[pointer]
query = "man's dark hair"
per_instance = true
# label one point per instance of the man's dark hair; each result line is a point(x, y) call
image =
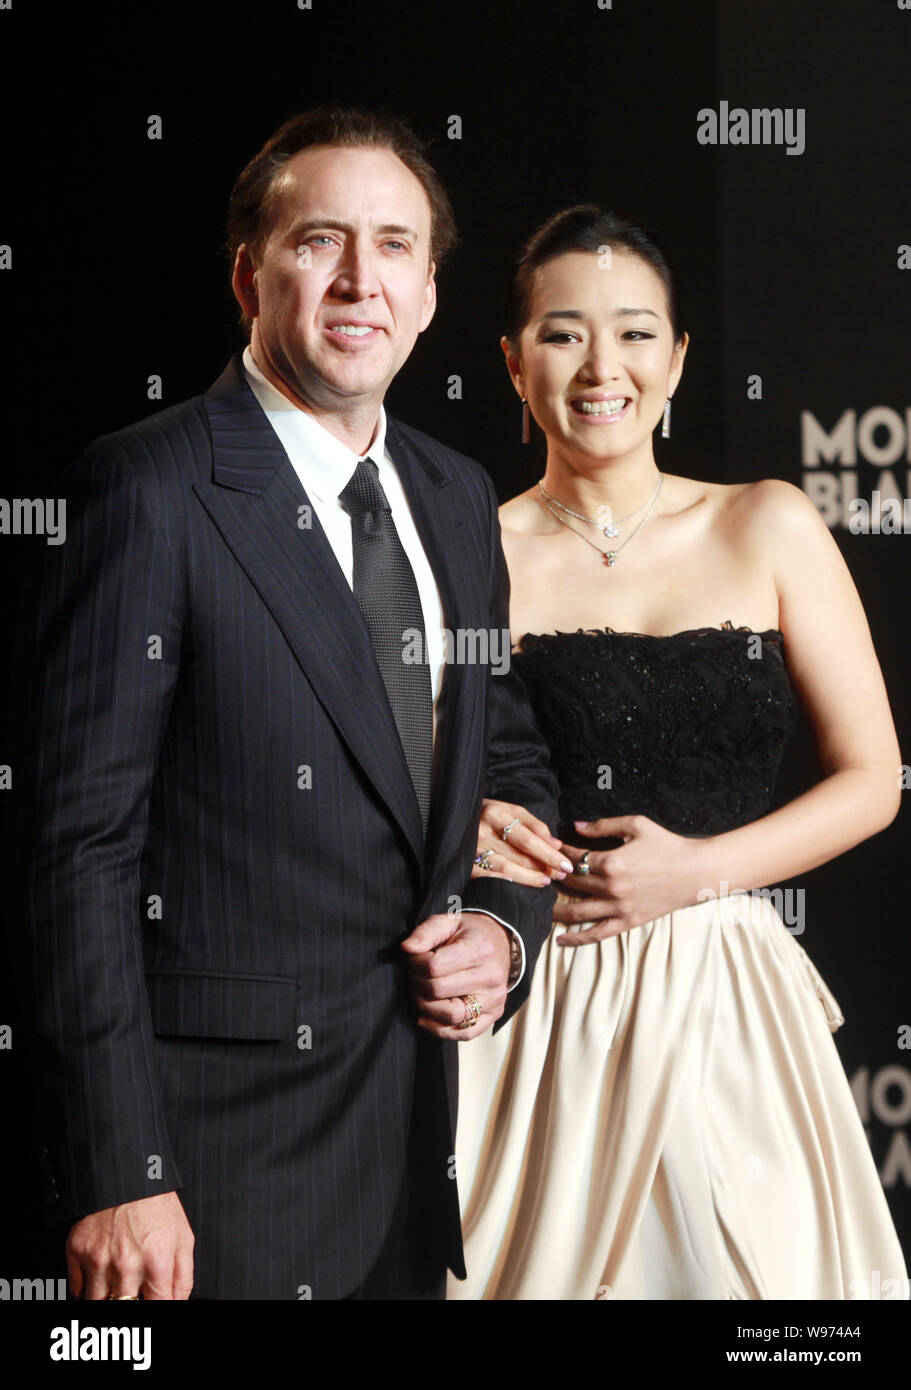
point(351, 127)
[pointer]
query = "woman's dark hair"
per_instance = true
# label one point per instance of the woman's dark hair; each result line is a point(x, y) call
point(349, 127)
point(585, 227)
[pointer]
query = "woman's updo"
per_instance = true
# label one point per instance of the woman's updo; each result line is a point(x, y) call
point(586, 227)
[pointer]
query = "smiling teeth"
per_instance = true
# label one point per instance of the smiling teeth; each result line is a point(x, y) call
point(354, 330)
point(601, 407)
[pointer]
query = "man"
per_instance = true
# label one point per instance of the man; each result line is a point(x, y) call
point(244, 822)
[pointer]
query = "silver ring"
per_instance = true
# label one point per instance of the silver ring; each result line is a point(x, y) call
point(511, 826)
point(583, 867)
point(483, 860)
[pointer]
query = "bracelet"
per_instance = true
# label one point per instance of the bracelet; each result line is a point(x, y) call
point(515, 959)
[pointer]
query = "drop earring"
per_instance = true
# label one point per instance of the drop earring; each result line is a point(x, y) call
point(526, 422)
point(666, 422)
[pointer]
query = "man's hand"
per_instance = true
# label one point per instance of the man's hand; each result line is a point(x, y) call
point(454, 954)
point(140, 1247)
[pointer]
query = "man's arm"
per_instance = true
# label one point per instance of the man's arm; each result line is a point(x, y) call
point(518, 771)
point(94, 668)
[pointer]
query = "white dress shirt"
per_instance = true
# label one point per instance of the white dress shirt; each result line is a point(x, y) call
point(325, 466)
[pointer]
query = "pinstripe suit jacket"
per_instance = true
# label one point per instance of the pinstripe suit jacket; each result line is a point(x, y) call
point(214, 847)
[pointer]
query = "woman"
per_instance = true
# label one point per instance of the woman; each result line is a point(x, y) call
point(667, 1116)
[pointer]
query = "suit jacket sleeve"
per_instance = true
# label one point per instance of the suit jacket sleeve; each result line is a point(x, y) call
point(96, 661)
point(518, 770)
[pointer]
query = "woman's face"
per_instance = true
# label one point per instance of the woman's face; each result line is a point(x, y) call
point(597, 360)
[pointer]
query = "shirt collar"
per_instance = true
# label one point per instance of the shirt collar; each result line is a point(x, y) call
point(329, 463)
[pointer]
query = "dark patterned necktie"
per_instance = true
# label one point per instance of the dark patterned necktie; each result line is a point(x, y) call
point(387, 592)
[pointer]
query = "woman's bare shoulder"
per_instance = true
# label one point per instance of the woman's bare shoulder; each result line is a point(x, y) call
point(754, 508)
point(521, 515)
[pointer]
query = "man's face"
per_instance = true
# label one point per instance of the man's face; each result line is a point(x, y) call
point(345, 282)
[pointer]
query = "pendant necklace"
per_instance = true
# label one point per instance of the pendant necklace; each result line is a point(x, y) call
point(609, 528)
point(609, 556)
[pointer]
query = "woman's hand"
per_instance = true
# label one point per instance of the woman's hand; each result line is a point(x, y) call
point(653, 872)
point(529, 854)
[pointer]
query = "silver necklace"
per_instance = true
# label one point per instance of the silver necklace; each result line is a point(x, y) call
point(609, 556)
point(609, 528)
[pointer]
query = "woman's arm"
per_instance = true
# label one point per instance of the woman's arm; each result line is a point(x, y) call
point(838, 681)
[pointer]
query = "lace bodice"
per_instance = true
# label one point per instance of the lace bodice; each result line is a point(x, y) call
point(688, 729)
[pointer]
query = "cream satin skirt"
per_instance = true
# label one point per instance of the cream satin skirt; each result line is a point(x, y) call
point(667, 1117)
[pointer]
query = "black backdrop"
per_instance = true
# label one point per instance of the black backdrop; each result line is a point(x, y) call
point(790, 268)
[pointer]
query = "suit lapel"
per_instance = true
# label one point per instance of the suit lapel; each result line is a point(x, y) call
point(439, 517)
point(255, 501)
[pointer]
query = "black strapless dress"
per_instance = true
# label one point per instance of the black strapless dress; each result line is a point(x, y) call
point(688, 729)
point(667, 1116)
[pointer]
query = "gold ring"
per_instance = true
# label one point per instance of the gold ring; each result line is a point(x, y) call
point(121, 1297)
point(472, 1010)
